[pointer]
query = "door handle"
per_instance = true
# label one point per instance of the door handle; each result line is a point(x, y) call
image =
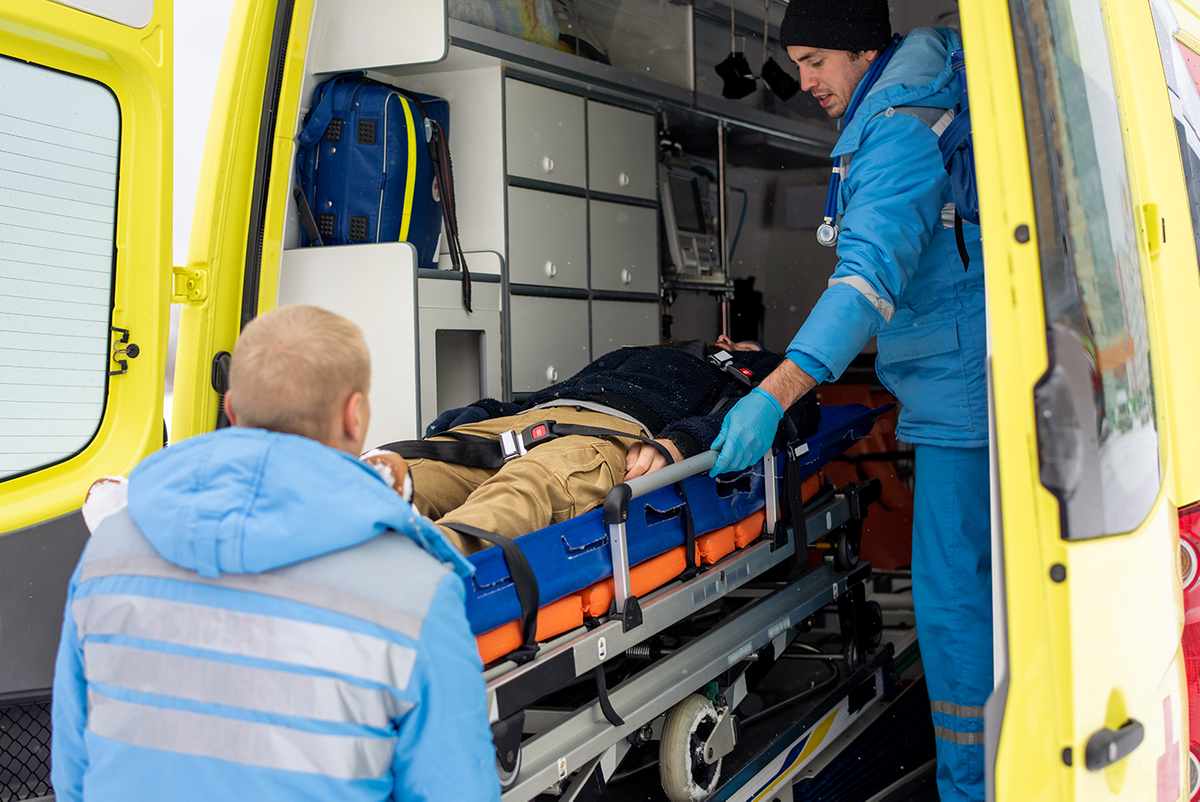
point(1108, 746)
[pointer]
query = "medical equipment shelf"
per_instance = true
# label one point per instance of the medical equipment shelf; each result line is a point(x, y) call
point(586, 735)
point(473, 46)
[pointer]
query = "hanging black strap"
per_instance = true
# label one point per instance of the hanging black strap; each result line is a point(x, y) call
point(307, 221)
point(961, 240)
point(524, 582)
point(606, 707)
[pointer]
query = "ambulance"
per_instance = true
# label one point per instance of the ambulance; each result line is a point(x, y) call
point(1086, 127)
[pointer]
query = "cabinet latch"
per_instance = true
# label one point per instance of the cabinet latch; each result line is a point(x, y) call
point(123, 348)
point(188, 284)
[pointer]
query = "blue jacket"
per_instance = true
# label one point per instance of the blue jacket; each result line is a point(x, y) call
point(899, 274)
point(251, 627)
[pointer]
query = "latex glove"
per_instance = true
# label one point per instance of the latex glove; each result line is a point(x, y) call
point(747, 432)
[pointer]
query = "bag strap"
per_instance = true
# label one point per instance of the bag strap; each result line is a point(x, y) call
point(524, 582)
point(320, 116)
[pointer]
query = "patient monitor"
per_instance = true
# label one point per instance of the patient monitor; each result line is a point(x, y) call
point(688, 202)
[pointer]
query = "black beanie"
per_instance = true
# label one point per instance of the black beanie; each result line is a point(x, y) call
point(836, 24)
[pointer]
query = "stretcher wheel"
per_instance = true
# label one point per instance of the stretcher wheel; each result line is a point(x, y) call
point(845, 551)
point(685, 775)
point(508, 777)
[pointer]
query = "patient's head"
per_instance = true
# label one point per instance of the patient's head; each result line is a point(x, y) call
point(302, 370)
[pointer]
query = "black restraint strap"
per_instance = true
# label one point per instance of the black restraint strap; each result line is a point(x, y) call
point(961, 241)
point(524, 581)
point(471, 450)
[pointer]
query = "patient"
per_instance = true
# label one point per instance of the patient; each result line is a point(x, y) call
point(675, 394)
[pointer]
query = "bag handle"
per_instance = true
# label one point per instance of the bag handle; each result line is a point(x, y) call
point(320, 117)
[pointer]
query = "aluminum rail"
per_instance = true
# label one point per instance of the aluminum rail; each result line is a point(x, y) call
point(554, 754)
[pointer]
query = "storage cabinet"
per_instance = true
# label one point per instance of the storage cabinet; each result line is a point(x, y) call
point(547, 239)
point(545, 134)
point(549, 340)
point(616, 324)
point(619, 160)
point(624, 247)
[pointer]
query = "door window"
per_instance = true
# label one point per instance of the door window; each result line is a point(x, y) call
point(59, 139)
point(1097, 444)
point(1181, 65)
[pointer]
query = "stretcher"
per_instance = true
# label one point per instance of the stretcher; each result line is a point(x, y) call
point(616, 583)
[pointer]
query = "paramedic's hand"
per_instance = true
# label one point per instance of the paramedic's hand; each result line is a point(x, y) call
point(747, 432)
point(644, 458)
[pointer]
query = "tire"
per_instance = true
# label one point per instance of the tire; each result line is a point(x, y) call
point(845, 553)
point(509, 778)
point(685, 776)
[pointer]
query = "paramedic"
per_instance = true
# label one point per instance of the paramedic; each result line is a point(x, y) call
point(677, 393)
point(239, 631)
point(899, 276)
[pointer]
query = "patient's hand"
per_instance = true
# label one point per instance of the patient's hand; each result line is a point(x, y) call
point(644, 458)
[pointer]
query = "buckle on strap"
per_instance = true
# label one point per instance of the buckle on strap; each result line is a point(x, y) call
point(513, 445)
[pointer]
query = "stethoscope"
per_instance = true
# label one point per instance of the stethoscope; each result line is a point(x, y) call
point(827, 232)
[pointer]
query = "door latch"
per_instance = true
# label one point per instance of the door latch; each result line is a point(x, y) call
point(129, 350)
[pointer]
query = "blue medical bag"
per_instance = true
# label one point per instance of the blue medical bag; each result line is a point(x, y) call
point(373, 166)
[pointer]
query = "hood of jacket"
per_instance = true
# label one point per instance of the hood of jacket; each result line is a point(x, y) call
point(919, 74)
point(243, 500)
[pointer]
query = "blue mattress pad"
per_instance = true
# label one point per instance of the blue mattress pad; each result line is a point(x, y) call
point(574, 554)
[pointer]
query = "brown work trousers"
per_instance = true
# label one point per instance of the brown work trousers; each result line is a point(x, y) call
point(555, 481)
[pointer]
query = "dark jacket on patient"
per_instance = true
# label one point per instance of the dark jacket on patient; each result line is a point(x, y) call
point(672, 389)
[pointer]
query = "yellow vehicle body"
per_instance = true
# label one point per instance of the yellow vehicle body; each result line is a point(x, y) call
point(1088, 631)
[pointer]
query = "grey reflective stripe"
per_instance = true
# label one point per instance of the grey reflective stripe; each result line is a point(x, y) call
point(951, 709)
point(862, 285)
point(206, 680)
point(266, 584)
point(936, 119)
point(959, 738)
point(948, 215)
point(250, 634)
point(248, 742)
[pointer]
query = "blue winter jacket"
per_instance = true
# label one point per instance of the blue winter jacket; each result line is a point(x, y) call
point(899, 274)
point(268, 620)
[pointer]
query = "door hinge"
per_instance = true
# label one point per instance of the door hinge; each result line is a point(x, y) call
point(123, 348)
point(189, 285)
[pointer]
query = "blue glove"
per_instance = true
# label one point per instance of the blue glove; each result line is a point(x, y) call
point(747, 432)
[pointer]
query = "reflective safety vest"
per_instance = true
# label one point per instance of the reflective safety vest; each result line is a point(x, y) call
point(307, 674)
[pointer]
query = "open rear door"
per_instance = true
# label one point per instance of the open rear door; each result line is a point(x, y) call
point(85, 238)
point(1090, 693)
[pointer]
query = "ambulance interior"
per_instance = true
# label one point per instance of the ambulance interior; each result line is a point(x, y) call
point(588, 194)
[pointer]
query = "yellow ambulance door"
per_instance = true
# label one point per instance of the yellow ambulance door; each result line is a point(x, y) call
point(1090, 692)
point(85, 239)
point(238, 222)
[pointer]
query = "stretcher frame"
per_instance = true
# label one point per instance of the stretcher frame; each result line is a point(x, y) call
point(587, 743)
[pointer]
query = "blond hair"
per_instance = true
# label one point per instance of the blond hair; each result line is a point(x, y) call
point(294, 367)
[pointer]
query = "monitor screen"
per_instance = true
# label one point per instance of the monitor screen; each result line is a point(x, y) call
point(685, 197)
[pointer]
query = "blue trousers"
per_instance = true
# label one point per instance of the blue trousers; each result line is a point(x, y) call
point(952, 593)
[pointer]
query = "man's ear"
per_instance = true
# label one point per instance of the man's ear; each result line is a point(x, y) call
point(871, 55)
point(227, 405)
point(354, 421)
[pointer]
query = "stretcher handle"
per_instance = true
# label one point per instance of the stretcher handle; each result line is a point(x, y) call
point(671, 474)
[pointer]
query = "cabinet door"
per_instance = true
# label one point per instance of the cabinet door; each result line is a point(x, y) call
point(545, 133)
point(547, 239)
point(621, 147)
point(549, 340)
point(624, 247)
point(616, 324)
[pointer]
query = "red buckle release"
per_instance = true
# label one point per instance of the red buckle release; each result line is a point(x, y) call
point(539, 431)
